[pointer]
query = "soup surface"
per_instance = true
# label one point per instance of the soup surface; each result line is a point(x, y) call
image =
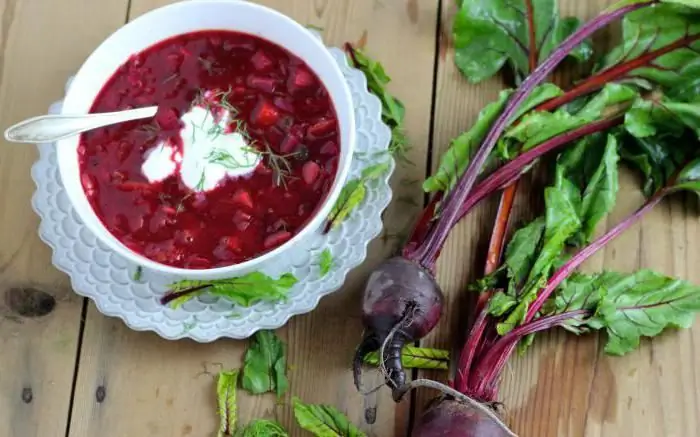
point(243, 150)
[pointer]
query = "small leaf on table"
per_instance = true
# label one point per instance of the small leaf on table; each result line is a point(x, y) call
point(324, 420)
point(226, 400)
point(263, 428)
point(417, 358)
point(265, 365)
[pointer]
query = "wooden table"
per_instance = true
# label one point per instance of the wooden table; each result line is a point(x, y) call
point(76, 373)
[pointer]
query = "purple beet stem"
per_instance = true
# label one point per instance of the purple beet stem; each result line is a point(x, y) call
point(428, 251)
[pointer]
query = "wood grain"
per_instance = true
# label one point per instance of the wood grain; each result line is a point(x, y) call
point(41, 44)
point(566, 386)
point(149, 386)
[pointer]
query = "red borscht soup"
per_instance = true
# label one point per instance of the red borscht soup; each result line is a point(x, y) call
point(252, 118)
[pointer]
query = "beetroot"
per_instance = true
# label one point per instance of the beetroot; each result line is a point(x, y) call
point(447, 417)
point(402, 303)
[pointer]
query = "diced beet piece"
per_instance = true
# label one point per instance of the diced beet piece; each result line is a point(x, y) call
point(322, 128)
point(261, 62)
point(300, 79)
point(233, 243)
point(89, 184)
point(284, 103)
point(266, 84)
point(185, 236)
point(278, 225)
point(241, 220)
point(242, 198)
point(310, 172)
point(329, 148)
point(289, 144)
point(276, 239)
point(169, 210)
point(264, 114)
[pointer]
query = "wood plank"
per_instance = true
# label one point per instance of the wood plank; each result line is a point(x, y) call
point(154, 387)
point(566, 386)
point(42, 42)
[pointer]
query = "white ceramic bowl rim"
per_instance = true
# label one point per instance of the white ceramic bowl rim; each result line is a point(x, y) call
point(180, 18)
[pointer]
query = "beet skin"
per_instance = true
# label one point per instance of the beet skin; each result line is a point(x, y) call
point(450, 418)
point(401, 296)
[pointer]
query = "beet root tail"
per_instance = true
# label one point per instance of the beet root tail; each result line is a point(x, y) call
point(368, 344)
point(391, 356)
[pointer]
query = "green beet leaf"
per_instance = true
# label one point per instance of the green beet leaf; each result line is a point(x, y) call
point(648, 117)
point(263, 428)
point(488, 34)
point(649, 29)
point(581, 292)
point(537, 127)
point(375, 171)
point(689, 177)
point(354, 192)
point(659, 157)
point(351, 196)
point(500, 303)
point(417, 358)
point(226, 400)
point(244, 290)
point(326, 262)
point(588, 175)
point(628, 306)
point(643, 304)
point(561, 222)
point(521, 252)
point(265, 365)
point(456, 159)
point(393, 110)
point(324, 420)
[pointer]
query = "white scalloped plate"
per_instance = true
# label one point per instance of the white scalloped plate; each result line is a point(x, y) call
point(108, 279)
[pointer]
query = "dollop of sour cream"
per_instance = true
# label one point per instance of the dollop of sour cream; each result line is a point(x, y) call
point(210, 152)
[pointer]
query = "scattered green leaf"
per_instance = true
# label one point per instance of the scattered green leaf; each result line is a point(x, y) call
point(265, 365)
point(138, 273)
point(262, 428)
point(354, 192)
point(226, 399)
point(324, 420)
point(417, 358)
point(326, 262)
point(393, 111)
point(244, 290)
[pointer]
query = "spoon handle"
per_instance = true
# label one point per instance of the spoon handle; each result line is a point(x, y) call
point(49, 128)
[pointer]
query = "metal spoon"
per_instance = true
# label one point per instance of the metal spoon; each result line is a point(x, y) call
point(49, 128)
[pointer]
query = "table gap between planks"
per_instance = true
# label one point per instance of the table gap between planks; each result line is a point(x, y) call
point(77, 373)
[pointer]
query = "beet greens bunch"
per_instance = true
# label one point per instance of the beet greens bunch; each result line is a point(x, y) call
point(639, 106)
